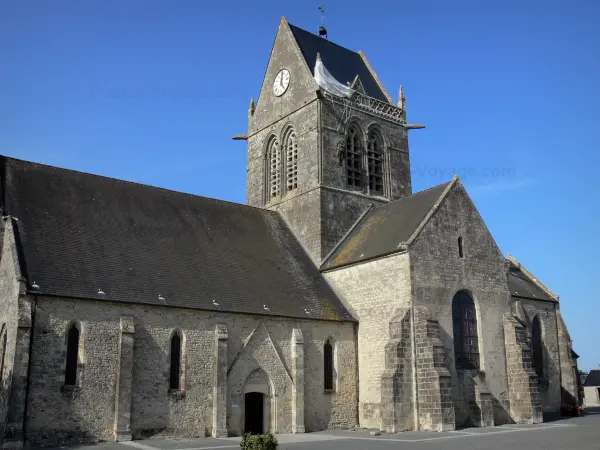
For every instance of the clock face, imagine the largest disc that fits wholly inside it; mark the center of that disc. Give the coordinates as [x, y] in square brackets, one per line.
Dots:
[281, 83]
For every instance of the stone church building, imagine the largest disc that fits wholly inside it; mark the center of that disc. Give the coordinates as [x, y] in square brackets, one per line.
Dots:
[337, 297]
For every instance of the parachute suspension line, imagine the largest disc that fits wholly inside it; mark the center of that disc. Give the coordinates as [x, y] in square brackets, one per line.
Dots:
[343, 129]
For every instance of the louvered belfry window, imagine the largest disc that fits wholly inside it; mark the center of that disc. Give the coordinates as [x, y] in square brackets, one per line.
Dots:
[375, 159]
[466, 340]
[274, 169]
[291, 149]
[354, 166]
[328, 365]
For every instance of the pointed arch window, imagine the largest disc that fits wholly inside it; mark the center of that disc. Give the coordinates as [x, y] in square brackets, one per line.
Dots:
[3, 338]
[537, 348]
[375, 163]
[466, 340]
[177, 362]
[71, 367]
[291, 150]
[354, 166]
[274, 168]
[328, 366]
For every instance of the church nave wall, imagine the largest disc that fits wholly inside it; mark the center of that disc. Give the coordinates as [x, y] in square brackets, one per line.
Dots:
[86, 411]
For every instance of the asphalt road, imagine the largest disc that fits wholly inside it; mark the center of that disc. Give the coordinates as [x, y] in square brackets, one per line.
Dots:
[581, 433]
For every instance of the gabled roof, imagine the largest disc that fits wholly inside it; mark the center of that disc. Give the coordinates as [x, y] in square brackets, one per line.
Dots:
[522, 283]
[593, 378]
[343, 64]
[383, 230]
[80, 233]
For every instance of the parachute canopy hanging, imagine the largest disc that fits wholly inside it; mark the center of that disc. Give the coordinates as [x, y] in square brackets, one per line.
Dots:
[327, 82]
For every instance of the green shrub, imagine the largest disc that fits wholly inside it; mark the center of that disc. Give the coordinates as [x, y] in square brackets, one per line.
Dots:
[259, 442]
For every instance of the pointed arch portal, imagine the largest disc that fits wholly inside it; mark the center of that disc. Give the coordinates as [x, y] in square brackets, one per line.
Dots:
[258, 403]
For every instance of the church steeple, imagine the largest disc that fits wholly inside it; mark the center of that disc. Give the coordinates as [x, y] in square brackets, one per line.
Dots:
[325, 140]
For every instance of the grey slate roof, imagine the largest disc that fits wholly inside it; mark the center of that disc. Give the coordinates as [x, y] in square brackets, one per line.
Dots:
[383, 228]
[80, 233]
[520, 285]
[342, 63]
[593, 378]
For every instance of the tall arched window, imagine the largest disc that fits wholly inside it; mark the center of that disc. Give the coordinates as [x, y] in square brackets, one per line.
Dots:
[328, 365]
[375, 160]
[354, 167]
[72, 356]
[175, 373]
[291, 150]
[3, 337]
[464, 321]
[537, 349]
[274, 168]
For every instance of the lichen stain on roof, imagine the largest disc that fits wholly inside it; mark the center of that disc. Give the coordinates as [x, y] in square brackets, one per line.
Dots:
[349, 251]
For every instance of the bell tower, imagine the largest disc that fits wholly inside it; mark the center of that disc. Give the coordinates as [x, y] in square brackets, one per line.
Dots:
[325, 140]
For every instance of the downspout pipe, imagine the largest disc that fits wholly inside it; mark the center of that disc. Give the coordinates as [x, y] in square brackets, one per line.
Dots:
[30, 354]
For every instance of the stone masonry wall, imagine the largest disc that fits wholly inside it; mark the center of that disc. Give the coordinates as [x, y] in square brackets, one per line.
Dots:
[438, 273]
[568, 364]
[434, 382]
[592, 395]
[9, 321]
[525, 404]
[375, 292]
[87, 413]
[397, 390]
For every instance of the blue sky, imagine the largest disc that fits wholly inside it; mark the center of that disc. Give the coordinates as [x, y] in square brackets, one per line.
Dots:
[152, 91]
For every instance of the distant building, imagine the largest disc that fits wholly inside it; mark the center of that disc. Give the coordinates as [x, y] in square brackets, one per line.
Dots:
[591, 388]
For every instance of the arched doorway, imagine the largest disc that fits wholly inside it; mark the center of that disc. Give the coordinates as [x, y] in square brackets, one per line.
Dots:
[258, 403]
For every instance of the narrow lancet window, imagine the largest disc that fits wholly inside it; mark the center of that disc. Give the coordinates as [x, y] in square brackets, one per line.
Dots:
[466, 340]
[375, 160]
[537, 349]
[328, 365]
[291, 149]
[175, 378]
[354, 166]
[72, 356]
[461, 252]
[2, 351]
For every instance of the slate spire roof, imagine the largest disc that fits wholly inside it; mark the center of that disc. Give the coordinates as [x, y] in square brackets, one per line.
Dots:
[343, 64]
[81, 233]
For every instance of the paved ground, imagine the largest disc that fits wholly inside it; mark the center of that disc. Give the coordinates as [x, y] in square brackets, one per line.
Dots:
[581, 433]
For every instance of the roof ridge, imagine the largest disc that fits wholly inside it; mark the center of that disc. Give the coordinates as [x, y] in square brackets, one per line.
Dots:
[433, 209]
[325, 40]
[130, 182]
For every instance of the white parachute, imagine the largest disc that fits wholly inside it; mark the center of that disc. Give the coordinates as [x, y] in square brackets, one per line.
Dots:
[327, 82]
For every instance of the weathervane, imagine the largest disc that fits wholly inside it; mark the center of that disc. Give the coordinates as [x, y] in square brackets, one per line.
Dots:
[322, 29]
